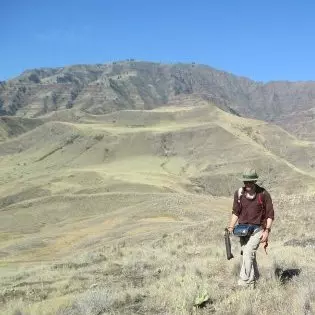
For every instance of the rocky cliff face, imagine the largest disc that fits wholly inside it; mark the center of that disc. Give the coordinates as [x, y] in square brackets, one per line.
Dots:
[103, 88]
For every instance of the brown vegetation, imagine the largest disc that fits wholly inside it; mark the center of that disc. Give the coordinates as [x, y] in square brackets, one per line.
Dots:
[125, 213]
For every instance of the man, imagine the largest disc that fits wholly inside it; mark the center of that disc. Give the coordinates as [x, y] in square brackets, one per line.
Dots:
[252, 206]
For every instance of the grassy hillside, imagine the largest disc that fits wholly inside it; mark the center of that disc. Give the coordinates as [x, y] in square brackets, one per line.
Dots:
[123, 213]
[13, 126]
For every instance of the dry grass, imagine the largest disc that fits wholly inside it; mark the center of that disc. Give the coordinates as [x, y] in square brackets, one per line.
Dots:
[98, 219]
[164, 273]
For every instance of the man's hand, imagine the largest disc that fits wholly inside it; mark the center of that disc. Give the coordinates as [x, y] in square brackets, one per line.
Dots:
[230, 229]
[264, 236]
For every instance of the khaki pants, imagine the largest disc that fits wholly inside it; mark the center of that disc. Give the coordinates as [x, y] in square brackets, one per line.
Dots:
[249, 270]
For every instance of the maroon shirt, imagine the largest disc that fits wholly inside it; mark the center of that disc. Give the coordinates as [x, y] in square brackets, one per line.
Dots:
[250, 211]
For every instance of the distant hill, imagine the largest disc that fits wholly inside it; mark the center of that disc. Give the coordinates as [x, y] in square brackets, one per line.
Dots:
[103, 88]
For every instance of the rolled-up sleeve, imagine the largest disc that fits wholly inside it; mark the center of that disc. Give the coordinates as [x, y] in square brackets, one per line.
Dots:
[270, 213]
[236, 207]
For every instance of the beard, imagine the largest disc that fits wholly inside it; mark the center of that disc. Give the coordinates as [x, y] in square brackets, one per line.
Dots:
[250, 189]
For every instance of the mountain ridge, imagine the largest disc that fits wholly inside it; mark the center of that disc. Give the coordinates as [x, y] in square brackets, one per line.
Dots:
[104, 88]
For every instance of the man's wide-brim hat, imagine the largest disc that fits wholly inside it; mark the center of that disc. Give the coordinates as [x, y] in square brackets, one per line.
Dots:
[249, 175]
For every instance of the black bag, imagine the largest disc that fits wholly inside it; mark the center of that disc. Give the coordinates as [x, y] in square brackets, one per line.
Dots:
[244, 229]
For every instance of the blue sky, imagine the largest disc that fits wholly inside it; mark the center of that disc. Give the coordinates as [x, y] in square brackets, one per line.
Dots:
[263, 40]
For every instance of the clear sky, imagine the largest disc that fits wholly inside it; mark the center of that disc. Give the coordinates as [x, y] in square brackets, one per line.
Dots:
[264, 40]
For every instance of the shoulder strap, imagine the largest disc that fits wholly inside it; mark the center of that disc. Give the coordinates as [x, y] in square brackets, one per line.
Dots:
[260, 198]
[240, 192]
